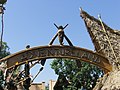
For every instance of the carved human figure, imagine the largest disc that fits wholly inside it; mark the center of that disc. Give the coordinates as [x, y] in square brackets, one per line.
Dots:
[61, 35]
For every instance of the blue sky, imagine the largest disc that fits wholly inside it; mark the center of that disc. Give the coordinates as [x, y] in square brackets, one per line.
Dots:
[31, 22]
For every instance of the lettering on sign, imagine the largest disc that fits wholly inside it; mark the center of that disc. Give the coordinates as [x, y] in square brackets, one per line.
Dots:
[71, 52]
[58, 52]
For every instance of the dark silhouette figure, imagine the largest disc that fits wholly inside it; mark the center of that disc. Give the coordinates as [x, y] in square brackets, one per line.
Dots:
[61, 35]
[26, 83]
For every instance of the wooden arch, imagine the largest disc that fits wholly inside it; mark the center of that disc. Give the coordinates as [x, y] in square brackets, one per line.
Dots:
[57, 51]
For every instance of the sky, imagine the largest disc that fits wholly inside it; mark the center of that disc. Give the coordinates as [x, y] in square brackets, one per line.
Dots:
[32, 22]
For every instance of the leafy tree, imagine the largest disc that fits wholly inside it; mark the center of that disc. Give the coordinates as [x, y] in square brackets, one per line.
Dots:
[4, 51]
[78, 78]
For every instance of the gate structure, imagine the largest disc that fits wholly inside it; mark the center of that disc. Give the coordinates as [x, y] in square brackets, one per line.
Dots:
[39, 55]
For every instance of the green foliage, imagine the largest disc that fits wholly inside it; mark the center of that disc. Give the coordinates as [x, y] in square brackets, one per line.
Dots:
[3, 1]
[3, 52]
[47, 87]
[85, 77]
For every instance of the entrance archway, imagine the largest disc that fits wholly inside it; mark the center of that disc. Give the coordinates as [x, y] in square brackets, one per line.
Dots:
[55, 51]
[42, 53]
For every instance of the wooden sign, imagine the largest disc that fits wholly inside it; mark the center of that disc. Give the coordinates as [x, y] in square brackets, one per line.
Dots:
[54, 51]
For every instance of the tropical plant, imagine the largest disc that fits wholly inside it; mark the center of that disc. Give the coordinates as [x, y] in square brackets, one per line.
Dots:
[78, 77]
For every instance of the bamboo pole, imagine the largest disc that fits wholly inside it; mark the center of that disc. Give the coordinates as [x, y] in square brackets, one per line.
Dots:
[99, 17]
